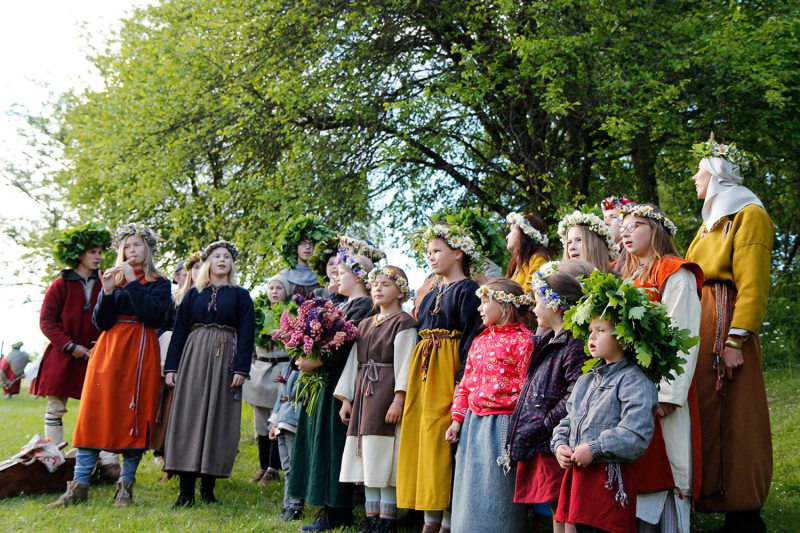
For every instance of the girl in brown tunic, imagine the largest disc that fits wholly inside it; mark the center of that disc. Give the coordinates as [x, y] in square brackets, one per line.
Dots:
[372, 389]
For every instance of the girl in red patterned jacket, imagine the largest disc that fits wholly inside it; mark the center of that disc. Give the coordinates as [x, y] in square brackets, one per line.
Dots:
[484, 400]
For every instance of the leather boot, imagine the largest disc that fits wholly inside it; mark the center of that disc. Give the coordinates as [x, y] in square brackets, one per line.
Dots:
[124, 495]
[76, 493]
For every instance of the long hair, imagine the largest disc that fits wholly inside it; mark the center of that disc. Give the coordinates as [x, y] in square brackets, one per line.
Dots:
[661, 245]
[593, 249]
[204, 276]
[513, 314]
[528, 247]
[148, 266]
[188, 283]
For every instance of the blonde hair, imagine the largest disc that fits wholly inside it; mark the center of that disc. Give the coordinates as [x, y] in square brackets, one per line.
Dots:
[513, 313]
[593, 249]
[204, 276]
[188, 283]
[151, 273]
[661, 245]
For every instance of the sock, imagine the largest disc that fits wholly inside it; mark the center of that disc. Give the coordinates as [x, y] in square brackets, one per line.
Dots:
[389, 495]
[446, 519]
[433, 517]
[389, 511]
[263, 452]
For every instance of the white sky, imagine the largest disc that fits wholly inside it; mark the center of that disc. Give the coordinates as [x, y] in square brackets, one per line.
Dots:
[43, 53]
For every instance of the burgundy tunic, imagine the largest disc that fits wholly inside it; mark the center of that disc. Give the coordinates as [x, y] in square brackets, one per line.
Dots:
[66, 317]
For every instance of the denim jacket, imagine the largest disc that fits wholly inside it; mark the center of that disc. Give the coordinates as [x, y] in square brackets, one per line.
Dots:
[285, 413]
[612, 409]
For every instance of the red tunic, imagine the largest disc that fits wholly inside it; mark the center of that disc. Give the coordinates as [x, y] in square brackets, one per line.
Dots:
[66, 317]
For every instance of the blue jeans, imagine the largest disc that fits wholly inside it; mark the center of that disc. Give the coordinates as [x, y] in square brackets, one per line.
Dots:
[87, 459]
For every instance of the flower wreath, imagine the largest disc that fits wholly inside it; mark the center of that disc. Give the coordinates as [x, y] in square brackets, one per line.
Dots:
[729, 152]
[594, 223]
[456, 238]
[353, 264]
[310, 227]
[140, 230]
[516, 219]
[196, 257]
[641, 326]
[503, 297]
[647, 211]
[539, 286]
[361, 247]
[616, 202]
[398, 279]
[220, 244]
[72, 243]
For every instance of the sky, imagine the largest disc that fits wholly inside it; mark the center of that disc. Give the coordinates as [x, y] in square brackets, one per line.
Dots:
[45, 54]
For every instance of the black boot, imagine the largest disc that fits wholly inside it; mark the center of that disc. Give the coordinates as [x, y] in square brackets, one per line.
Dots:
[386, 526]
[207, 489]
[186, 495]
[369, 525]
[330, 518]
[743, 522]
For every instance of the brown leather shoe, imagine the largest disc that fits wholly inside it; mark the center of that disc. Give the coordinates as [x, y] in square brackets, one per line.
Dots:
[76, 493]
[269, 477]
[108, 473]
[124, 494]
[258, 476]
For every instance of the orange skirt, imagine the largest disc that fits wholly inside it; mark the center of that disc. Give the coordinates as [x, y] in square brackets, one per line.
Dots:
[119, 402]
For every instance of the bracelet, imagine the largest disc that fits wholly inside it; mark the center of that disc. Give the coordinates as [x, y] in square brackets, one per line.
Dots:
[733, 344]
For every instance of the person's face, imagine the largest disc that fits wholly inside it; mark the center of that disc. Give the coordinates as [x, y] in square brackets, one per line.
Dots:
[91, 258]
[636, 235]
[491, 311]
[221, 262]
[276, 292]
[305, 249]
[196, 270]
[347, 281]
[134, 250]
[602, 342]
[441, 257]
[545, 317]
[513, 238]
[701, 180]
[330, 268]
[574, 242]
[333, 286]
[384, 291]
[611, 218]
[180, 277]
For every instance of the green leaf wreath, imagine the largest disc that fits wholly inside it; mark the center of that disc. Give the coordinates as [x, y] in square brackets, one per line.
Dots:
[641, 325]
[323, 251]
[488, 234]
[305, 227]
[72, 243]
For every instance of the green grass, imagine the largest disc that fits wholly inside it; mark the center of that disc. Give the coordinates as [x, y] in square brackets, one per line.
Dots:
[245, 507]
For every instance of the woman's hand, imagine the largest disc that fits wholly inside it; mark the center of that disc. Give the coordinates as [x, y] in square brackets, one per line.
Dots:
[732, 357]
[583, 456]
[307, 365]
[452, 434]
[346, 411]
[127, 271]
[564, 456]
[666, 409]
[238, 381]
[109, 281]
[171, 379]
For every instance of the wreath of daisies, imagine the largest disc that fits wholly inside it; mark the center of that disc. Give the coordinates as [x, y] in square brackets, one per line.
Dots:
[196, 257]
[516, 219]
[729, 152]
[647, 211]
[539, 286]
[398, 279]
[140, 230]
[455, 237]
[220, 244]
[352, 263]
[594, 223]
[503, 297]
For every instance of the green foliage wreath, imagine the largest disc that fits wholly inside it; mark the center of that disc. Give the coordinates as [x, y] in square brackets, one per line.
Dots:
[72, 243]
[305, 227]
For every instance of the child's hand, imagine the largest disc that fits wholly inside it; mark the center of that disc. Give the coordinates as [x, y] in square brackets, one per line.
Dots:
[273, 435]
[394, 414]
[307, 365]
[346, 411]
[666, 409]
[452, 432]
[583, 455]
[564, 456]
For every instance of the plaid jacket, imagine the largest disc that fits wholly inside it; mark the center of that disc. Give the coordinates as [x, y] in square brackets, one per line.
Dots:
[612, 409]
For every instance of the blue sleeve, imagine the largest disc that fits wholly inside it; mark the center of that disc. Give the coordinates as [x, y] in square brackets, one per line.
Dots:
[183, 324]
[104, 315]
[246, 339]
[150, 301]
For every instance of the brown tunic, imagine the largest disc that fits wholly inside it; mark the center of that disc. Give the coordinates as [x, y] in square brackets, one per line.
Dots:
[374, 389]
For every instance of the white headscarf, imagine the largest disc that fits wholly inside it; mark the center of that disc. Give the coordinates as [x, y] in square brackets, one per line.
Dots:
[726, 195]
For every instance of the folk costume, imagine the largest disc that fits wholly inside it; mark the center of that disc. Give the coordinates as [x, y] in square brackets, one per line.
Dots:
[212, 342]
[484, 401]
[733, 247]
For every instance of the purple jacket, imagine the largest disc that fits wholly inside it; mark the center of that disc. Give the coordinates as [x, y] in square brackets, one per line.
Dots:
[554, 368]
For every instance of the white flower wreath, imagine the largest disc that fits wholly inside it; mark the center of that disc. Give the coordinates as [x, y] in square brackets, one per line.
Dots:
[594, 223]
[395, 276]
[539, 286]
[647, 211]
[503, 297]
[516, 219]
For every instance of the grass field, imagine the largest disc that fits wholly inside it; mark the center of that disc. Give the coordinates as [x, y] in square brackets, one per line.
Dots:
[245, 507]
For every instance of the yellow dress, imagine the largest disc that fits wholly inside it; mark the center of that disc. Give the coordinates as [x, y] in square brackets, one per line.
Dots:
[523, 275]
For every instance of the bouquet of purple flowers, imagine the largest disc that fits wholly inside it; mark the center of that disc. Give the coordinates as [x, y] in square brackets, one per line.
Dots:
[314, 329]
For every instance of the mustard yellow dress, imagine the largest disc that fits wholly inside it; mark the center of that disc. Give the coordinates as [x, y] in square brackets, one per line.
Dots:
[523, 275]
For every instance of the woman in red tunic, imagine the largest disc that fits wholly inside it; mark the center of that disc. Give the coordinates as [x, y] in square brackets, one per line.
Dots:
[66, 321]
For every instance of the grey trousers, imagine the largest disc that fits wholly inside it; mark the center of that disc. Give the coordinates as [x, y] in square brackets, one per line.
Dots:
[285, 447]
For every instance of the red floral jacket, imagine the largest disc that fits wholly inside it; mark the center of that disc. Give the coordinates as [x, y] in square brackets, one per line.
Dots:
[495, 372]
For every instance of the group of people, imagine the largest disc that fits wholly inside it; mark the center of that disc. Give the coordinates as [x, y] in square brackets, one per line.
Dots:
[577, 383]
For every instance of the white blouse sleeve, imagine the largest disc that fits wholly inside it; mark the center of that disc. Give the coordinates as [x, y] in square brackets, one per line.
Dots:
[404, 344]
[346, 388]
[683, 306]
